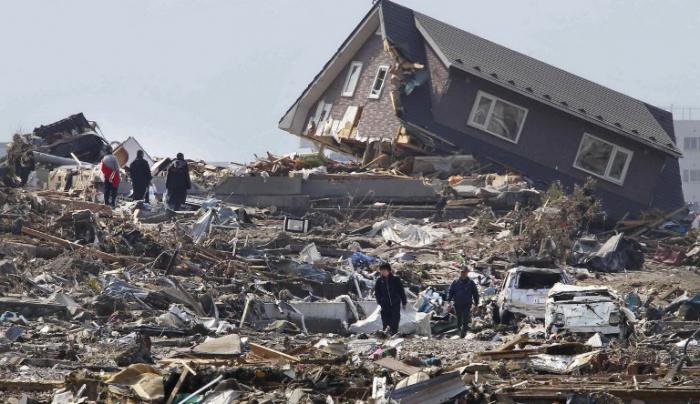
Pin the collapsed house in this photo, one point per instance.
(71, 136)
(71, 141)
(406, 84)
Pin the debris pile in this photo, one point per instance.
(220, 303)
(70, 141)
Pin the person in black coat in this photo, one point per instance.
(463, 292)
(140, 173)
(177, 182)
(391, 296)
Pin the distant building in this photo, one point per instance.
(688, 134)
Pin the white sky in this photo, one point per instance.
(211, 78)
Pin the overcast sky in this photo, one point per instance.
(211, 78)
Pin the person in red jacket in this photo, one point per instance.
(110, 174)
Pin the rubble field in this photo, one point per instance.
(222, 303)
(225, 303)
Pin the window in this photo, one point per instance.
(691, 143)
(602, 159)
(691, 175)
(497, 117)
(379, 80)
(352, 79)
(316, 122)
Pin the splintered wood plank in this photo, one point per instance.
(397, 365)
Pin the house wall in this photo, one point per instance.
(690, 163)
(548, 142)
(378, 119)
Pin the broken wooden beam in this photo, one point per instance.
(30, 307)
(270, 353)
(178, 385)
(101, 254)
(13, 249)
(510, 345)
(30, 385)
(77, 204)
(398, 366)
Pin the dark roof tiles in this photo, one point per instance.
(582, 95)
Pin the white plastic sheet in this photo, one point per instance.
(404, 233)
(411, 322)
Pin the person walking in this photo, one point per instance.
(110, 174)
(140, 172)
(178, 182)
(26, 165)
(462, 293)
(391, 296)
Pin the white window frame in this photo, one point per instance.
(484, 127)
(323, 109)
(349, 92)
(376, 96)
(615, 147)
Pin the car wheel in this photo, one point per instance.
(506, 317)
(495, 315)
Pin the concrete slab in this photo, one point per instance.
(257, 186)
(374, 187)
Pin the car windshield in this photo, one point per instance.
(537, 280)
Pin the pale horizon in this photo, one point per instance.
(211, 79)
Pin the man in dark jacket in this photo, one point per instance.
(177, 182)
(390, 295)
(140, 173)
(463, 292)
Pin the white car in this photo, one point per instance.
(524, 292)
(586, 309)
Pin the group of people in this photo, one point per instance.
(177, 181)
(391, 297)
(388, 289)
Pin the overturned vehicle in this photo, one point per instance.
(586, 309)
(524, 292)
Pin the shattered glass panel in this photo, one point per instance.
(353, 77)
(506, 120)
(594, 155)
(618, 165)
(482, 111)
(378, 82)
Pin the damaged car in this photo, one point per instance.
(524, 292)
(586, 309)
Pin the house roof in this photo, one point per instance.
(546, 83)
(405, 29)
(339, 58)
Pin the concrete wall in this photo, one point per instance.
(548, 142)
(260, 186)
(375, 187)
(378, 119)
(378, 187)
(690, 160)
